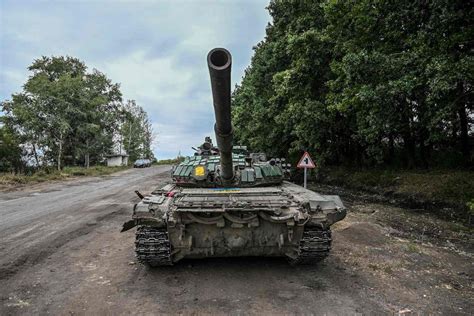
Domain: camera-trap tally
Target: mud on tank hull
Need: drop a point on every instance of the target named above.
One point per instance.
(281, 221)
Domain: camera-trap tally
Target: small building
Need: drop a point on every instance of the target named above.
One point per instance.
(116, 160)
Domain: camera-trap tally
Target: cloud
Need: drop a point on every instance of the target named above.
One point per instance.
(149, 78)
(156, 50)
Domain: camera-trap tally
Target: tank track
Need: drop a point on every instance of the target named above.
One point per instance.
(152, 246)
(314, 246)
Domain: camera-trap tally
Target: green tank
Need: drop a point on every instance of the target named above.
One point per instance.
(226, 202)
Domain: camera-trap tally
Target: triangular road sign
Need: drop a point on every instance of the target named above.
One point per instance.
(306, 162)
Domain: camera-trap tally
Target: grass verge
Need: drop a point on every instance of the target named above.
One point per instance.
(43, 175)
(167, 162)
(428, 189)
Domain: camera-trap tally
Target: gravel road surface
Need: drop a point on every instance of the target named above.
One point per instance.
(62, 253)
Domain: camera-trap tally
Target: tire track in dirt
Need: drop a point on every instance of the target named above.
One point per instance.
(36, 255)
(46, 234)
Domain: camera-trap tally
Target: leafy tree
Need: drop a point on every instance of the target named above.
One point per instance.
(10, 151)
(362, 82)
(136, 132)
(68, 115)
(100, 113)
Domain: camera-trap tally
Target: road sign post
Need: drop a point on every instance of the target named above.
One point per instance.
(305, 177)
(306, 163)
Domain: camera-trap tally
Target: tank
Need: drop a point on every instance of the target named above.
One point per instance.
(227, 202)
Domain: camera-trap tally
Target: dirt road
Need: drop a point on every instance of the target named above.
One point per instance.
(62, 253)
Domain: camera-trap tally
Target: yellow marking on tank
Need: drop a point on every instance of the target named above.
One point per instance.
(199, 171)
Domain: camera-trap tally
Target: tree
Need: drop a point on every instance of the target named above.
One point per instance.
(10, 151)
(136, 131)
(65, 112)
(362, 83)
(100, 116)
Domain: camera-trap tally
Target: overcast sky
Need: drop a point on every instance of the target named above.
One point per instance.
(156, 50)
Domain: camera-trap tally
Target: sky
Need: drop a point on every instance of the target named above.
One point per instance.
(156, 50)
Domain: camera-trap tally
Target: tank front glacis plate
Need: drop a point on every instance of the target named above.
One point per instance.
(223, 222)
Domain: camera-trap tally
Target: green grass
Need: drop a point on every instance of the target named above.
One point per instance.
(8, 179)
(413, 248)
(453, 186)
(93, 171)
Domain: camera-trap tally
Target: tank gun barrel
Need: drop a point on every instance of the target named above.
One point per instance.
(219, 61)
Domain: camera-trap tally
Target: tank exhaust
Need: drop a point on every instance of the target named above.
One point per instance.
(219, 61)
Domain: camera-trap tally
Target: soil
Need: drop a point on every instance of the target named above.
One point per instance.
(63, 253)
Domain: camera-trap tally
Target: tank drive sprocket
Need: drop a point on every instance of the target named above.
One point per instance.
(315, 246)
(152, 246)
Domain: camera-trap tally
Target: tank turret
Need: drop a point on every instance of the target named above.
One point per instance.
(219, 61)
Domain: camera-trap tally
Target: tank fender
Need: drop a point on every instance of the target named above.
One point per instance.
(147, 212)
(336, 199)
(128, 225)
(337, 216)
(338, 213)
(131, 223)
(142, 221)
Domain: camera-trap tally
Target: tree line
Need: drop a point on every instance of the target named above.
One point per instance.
(66, 115)
(362, 83)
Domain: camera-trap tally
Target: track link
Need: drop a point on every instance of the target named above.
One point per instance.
(152, 246)
(314, 246)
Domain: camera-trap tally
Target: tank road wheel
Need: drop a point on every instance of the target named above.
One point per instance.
(152, 246)
(314, 246)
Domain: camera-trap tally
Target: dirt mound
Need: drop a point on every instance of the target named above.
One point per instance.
(363, 233)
